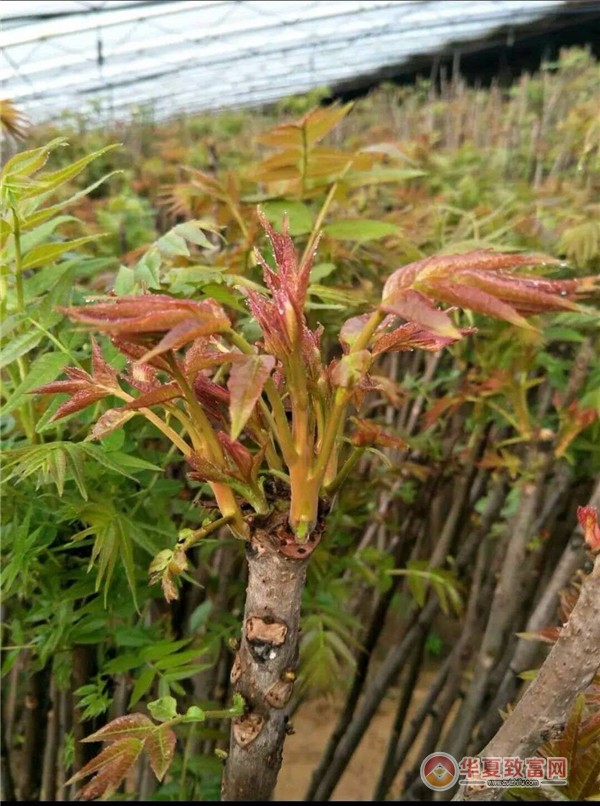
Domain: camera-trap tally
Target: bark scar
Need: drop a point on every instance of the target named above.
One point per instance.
(246, 728)
(289, 548)
(287, 542)
(279, 694)
(236, 670)
(266, 631)
(264, 636)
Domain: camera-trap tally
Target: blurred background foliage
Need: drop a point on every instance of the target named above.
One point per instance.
(502, 428)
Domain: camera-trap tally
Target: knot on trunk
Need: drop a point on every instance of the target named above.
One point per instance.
(279, 694)
(264, 635)
(289, 547)
(236, 670)
(246, 728)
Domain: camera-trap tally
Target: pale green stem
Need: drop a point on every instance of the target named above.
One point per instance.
(341, 399)
(169, 432)
(345, 471)
(199, 418)
(223, 493)
(18, 262)
(55, 341)
(27, 414)
(196, 535)
(186, 760)
(322, 213)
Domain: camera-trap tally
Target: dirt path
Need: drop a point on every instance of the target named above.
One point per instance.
(313, 724)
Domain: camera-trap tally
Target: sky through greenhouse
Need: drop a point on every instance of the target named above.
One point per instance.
(119, 56)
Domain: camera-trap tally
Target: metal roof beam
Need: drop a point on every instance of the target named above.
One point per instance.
(237, 32)
(27, 34)
(460, 28)
(37, 16)
(255, 93)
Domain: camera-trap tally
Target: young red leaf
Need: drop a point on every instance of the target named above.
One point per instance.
(109, 422)
(585, 774)
(213, 398)
(484, 281)
(257, 461)
(526, 293)
(369, 433)
(281, 318)
(135, 726)
(246, 381)
(392, 391)
(415, 307)
(438, 267)
(350, 369)
(573, 420)
(202, 355)
(160, 394)
(80, 400)
(439, 407)
(182, 334)
(128, 748)
(290, 277)
(413, 337)
(117, 761)
(84, 388)
(157, 321)
(588, 519)
(548, 635)
(102, 372)
(272, 323)
(160, 746)
(203, 470)
(351, 330)
(141, 373)
(148, 313)
(239, 453)
(475, 299)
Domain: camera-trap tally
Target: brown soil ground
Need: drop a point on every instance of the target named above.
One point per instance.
(313, 723)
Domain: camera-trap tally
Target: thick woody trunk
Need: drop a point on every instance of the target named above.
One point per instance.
(544, 708)
(263, 671)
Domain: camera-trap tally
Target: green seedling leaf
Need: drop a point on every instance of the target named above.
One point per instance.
(195, 714)
(142, 685)
(27, 162)
(164, 709)
(360, 229)
(44, 369)
(45, 254)
(19, 346)
(300, 217)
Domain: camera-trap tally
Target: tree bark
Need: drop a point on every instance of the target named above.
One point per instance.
(544, 708)
(34, 729)
(386, 674)
(508, 597)
(51, 748)
(264, 667)
(7, 786)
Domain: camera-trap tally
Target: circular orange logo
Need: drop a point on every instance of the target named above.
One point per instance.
(439, 771)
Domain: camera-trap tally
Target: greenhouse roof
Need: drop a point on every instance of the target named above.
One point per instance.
(208, 54)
